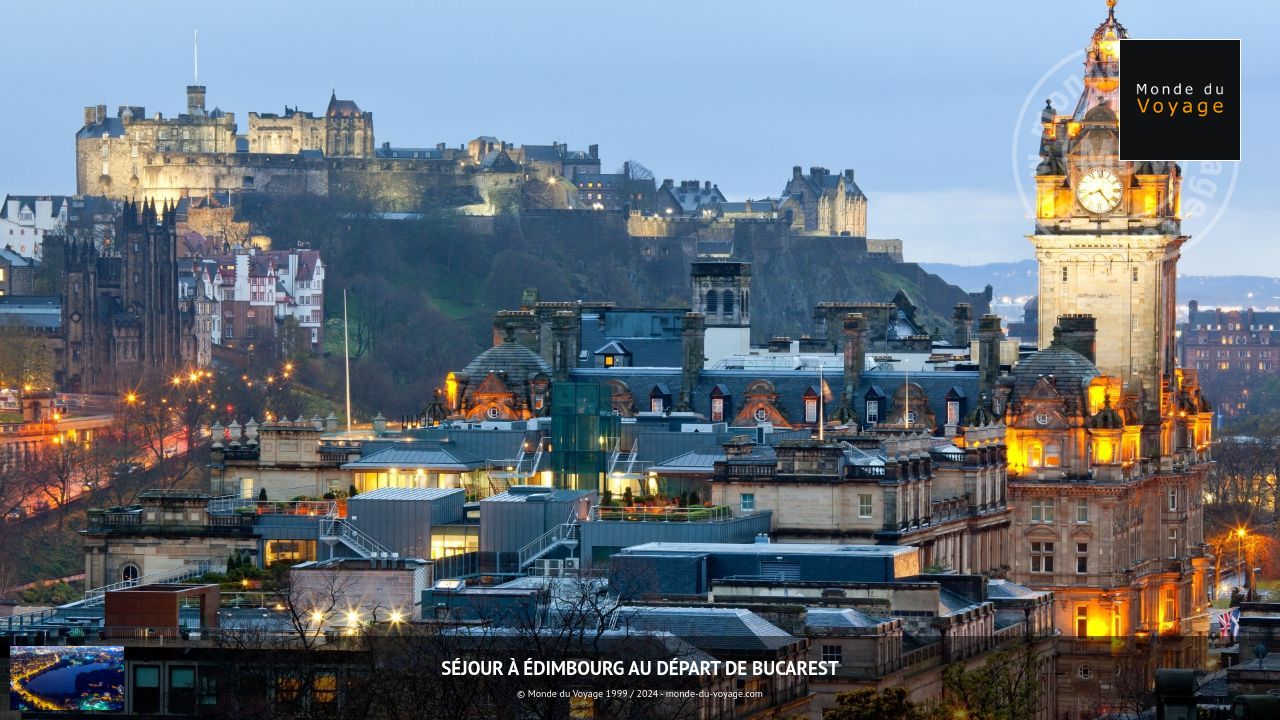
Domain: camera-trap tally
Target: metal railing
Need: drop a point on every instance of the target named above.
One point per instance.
(332, 526)
(563, 532)
(186, 572)
(662, 513)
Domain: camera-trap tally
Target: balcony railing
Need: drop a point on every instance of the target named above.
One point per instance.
(664, 513)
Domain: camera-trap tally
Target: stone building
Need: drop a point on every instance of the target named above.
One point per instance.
(17, 273)
(825, 204)
(1108, 440)
(120, 306)
(1231, 351)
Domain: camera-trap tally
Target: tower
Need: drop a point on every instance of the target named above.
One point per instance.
(195, 100)
(722, 293)
(1107, 232)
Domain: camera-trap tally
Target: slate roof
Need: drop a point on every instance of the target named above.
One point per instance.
(13, 259)
(398, 152)
(541, 153)
(1071, 372)
(839, 618)
(31, 311)
(29, 201)
(341, 108)
(789, 384)
(426, 455)
(708, 629)
(953, 603)
(112, 126)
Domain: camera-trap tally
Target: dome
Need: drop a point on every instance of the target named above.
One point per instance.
(513, 362)
(1071, 373)
(1106, 418)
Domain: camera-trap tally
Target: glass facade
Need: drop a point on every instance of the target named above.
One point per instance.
(584, 434)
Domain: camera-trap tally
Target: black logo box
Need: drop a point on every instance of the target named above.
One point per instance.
(1207, 132)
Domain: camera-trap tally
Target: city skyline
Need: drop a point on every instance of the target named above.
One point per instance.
(943, 180)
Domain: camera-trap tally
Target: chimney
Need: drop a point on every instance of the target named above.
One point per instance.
(331, 423)
(1079, 333)
(780, 344)
(707, 186)
(960, 322)
(379, 424)
(565, 325)
(1192, 308)
(989, 336)
(101, 111)
(90, 116)
(848, 175)
(693, 357)
(854, 330)
(594, 151)
(796, 172)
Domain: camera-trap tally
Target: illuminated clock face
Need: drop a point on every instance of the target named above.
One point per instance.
(1099, 190)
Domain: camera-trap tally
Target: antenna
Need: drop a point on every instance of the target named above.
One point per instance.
(196, 55)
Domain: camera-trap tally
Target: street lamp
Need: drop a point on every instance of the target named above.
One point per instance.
(1240, 556)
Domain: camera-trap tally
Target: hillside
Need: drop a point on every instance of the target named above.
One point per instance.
(1015, 279)
(423, 290)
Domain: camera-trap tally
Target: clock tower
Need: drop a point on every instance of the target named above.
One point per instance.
(1107, 232)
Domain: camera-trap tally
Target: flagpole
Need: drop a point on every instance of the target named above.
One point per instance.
(346, 355)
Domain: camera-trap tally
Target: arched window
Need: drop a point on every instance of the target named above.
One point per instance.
(1035, 454)
(712, 302)
(129, 572)
(728, 302)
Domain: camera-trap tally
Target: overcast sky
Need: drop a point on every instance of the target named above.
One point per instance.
(920, 98)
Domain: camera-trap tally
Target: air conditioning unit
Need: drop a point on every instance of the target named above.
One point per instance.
(549, 568)
(571, 563)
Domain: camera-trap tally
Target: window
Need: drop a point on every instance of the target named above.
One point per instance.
(1085, 672)
(873, 412)
(726, 302)
(712, 301)
(655, 404)
(1135, 274)
(761, 414)
(182, 689)
(1041, 557)
(1082, 558)
(1082, 511)
(1082, 621)
(832, 653)
(953, 412)
(717, 409)
(1170, 605)
(608, 361)
(1174, 549)
(1035, 454)
(129, 572)
(146, 688)
(748, 502)
(1042, 511)
(811, 409)
(1064, 274)
(1173, 498)
(864, 505)
(1052, 455)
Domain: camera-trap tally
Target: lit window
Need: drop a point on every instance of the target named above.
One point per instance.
(811, 409)
(1035, 454)
(1082, 621)
(953, 412)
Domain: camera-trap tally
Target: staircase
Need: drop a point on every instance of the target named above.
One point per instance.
(564, 535)
(524, 466)
(95, 596)
(334, 530)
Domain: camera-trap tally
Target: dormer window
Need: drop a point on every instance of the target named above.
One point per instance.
(873, 412)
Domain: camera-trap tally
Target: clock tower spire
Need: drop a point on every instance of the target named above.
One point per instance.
(1108, 232)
